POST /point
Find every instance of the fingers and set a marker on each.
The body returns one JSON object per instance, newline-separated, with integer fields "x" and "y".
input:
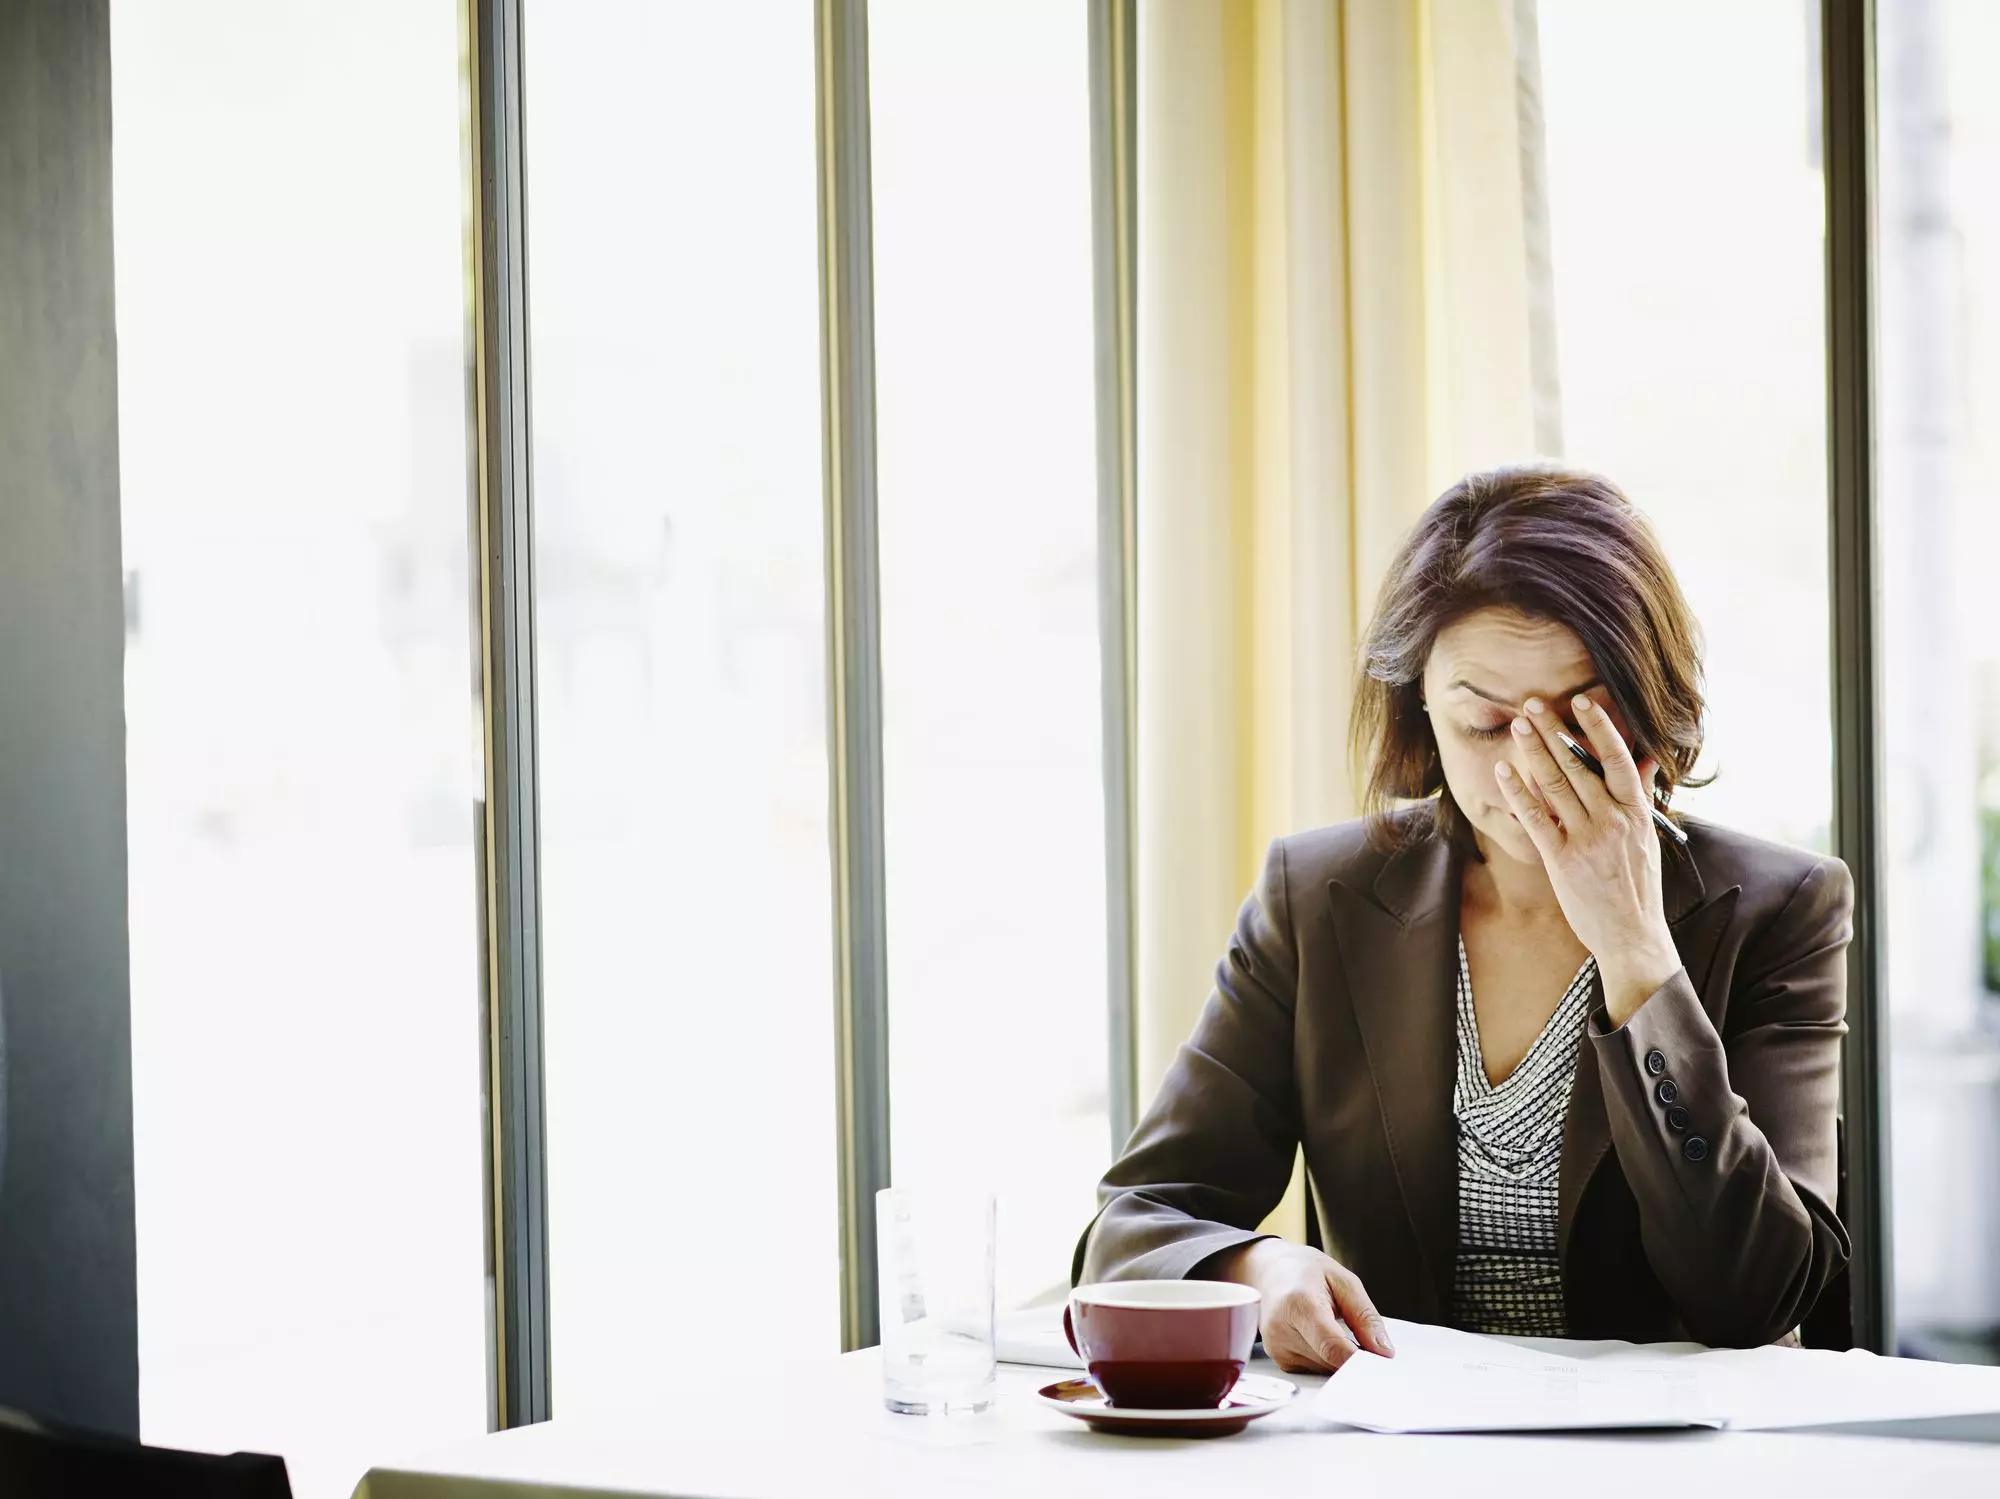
{"x": 1336, "y": 1350}
{"x": 1565, "y": 781}
{"x": 1527, "y": 806}
{"x": 1320, "y": 1352}
{"x": 1620, "y": 774}
{"x": 1358, "y": 1312}
{"x": 1321, "y": 1323}
{"x": 1304, "y": 1336}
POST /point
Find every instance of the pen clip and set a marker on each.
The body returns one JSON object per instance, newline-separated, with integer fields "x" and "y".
{"x": 1590, "y": 762}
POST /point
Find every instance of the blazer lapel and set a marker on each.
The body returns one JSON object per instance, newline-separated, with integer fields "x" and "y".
{"x": 1697, "y": 922}
{"x": 1399, "y": 947}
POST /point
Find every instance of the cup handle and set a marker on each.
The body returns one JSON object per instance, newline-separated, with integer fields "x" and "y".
{"x": 1069, "y": 1331}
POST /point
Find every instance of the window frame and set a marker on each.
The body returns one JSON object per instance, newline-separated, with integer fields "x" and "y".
{"x": 502, "y": 525}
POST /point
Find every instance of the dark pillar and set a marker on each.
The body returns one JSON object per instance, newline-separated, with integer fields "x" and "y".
{"x": 68, "y": 1300}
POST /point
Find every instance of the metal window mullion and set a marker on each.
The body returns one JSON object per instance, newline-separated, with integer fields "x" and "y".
{"x": 854, "y": 654}
{"x": 1847, "y": 104}
{"x": 1114, "y": 215}
{"x": 518, "y": 1204}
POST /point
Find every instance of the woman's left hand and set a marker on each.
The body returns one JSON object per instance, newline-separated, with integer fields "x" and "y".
{"x": 1598, "y": 844}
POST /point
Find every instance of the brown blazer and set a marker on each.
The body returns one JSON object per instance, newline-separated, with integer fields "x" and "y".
{"x": 1332, "y": 1025}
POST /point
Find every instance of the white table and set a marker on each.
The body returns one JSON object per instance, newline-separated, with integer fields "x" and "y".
{"x": 755, "y": 1433}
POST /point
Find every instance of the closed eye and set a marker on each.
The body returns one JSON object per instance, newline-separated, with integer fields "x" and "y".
{"x": 1493, "y": 733}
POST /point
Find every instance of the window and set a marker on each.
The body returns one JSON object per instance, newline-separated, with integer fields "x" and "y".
{"x": 1686, "y": 216}
{"x": 302, "y": 761}
{"x": 1938, "y": 397}
{"x": 673, "y": 288}
{"x": 992, "y": 717}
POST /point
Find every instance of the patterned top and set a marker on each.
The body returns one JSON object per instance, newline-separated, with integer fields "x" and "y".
{"x": 1510, "y": 1137}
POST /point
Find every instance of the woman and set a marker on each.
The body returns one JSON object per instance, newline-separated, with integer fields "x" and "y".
{"x": 1552, "y": 1072}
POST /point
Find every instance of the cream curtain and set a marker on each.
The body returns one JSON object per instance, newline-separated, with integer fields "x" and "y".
{"x": 1342, "y": 306}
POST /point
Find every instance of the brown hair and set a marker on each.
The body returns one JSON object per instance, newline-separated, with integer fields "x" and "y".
{"x": 1556, "y": 544}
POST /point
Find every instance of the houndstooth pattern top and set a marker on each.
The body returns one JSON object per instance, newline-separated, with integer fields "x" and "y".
{"x": 1510, "y": 1135}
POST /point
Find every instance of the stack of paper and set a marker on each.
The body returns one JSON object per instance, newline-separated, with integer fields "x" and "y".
{"x": 1441, "y": 1380}
{"x": 1034, "y": 1335}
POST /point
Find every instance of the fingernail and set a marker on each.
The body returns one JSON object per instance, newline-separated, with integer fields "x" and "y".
{"x": 1583, "y": 705}
{"x": 1504, "y": 771}
{"x": 1523, "y": 727}
{"x": 1533, "y": 705}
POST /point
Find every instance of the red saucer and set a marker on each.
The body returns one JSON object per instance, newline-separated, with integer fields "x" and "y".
{"x": 1255, "y": 1395}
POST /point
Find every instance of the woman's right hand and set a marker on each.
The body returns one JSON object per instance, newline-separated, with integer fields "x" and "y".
{"x": 1314, "y": 1309}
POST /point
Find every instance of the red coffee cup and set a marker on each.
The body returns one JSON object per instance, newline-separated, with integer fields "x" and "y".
{"x": 1163, "y": 1344}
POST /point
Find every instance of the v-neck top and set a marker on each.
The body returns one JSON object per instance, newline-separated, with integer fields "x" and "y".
{"x": 1510, "y": 1135}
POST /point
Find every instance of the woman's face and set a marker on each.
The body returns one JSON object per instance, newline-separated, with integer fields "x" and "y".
{"x": 1481, "y": 670}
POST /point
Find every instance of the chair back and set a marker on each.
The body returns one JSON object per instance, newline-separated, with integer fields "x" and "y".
{"x": 40, "y": 1461}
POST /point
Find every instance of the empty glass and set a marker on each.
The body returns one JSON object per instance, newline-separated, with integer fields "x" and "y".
{"x": 934, "y": 1258}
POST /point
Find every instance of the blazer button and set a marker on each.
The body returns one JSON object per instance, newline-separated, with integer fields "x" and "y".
{"x": 1656, "y": 1061}
{"x": 1677, "y": 1119}
{"x": 1666, "y": 1092}
{"x": 1695, "y": 1148}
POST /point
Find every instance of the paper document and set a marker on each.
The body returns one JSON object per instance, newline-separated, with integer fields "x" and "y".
{"x": 1776, "y": 1388}
{"x": 1034, "y": 1335}
{"x": 1442, "y": 1380}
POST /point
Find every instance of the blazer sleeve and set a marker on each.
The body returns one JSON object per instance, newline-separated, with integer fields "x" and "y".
{"x": 1729, "y": 1146}
{"x": 1214, "y": 1153}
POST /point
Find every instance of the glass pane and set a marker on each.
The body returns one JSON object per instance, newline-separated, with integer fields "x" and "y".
{"x": 1687, "y": 223}
{"x": 992, "y": 717}
{"x": 300, "y": 695}
{"x": 680, "y": 618}
{"x": 1938, "y": 393}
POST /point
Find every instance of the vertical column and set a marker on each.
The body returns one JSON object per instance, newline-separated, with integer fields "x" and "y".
{"x": 1847, "y": 29}
{"x": 68, "y": 1297}
{"x": 1114, "y": 211}
{"x": 854, "y": 645}
{"x": 505, "y": 561}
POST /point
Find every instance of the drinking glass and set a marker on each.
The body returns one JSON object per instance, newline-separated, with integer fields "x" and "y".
{"x": 934, "y": 1256}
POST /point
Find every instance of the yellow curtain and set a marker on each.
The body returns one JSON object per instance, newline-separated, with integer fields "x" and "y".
{"x": 1340, "y": 240}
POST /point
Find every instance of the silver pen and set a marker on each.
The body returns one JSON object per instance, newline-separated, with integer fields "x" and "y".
{"x": 1591, "y": 763}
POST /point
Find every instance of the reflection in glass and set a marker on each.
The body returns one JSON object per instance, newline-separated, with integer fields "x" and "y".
{"x": 300, "y": 699}
{"x": 1687, "y": 221}
{"x": 1938, "y": 394}
{"x": 679, "y": 597}
{"x": 992, "y": 715}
